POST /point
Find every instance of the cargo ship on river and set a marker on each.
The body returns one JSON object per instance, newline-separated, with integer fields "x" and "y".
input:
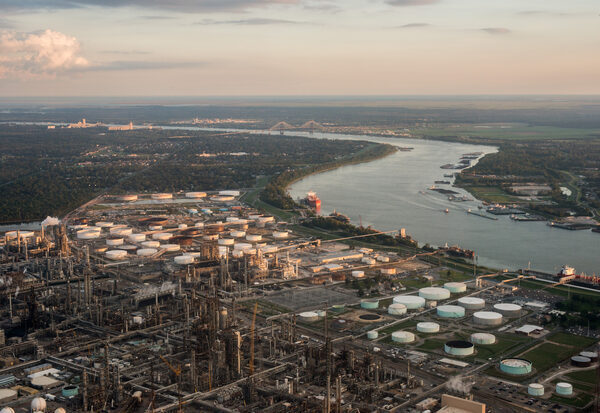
{"x": 312, "y": 201}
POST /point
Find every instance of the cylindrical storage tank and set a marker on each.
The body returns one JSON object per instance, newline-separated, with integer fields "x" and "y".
{"x": 87, "y": 235}
{"x": 487, "y": 318}
{"x": 280, "y": 234}
{"x": 8, "y": 394}
{"x": 308, "y": 316}
{"x": 535, "y": 389}
{"x": 369, "y": 303}
{"x": 104, "y": 224}
{"x": 150, "y": 244}
{"x": 137, "y": 237}
{"x": 116, "y": 254}
{"x": 121, "y": 231}
{"x": 269, "y": 249}
{"x": 127, "y": 247}
{"x": 128, "y": 198}
{"x": 70, "y": 391}
{"x": 146, "y": 252}
{"x": 182, "y": 226}
{"x": 367, "y": 260}
{"x": 450, "y": 311}
{"x": 434, "y": 293}
{"x": 580, "y": 361}
{"x": 210, "y": 237}
{"x": 253, "y": 237}
{"x": 199, "y": 225}
{"x": 508, "y": 309}
{"x": 455, "y": 287}
{"x": 411, "y": 302}
{"x": 242, "y": 246}
{"x": 265, "y": 220}
{"x": 112, "y": 242}
{"x": 592, "y": 355}
{"x": 388, "y": 271}
{"x": 194, "y": 254}
{"x": 459, "y": 348}
{"x": 161, "y": 196}
{"x": 483, "y": 339}
{"x": 60, "y": 410}
{"x": 195, "y": 194}
{"x": 162, "y": 236}
{"x": 237, "y": 234}
{"x": 397, "y": 309}
{"x": 237, "y": 253}
{"x": 223, "y": 250}
{"x": 427, "y": 327}
{"x": 184, "y": 259}
{"x": 232, "y": 219}
{"x": 358, "y": 274}
{"x": 383, "y": 258}
{"x": 226, "y": 241}
{"x": 515, "y": 366}
{"x": 372, "y": 335}
{"x": 171, "y": 247}
{"x": 471, "y": 303}
{"x": 403, "y": 337}
{"x": 321, "y": 313}
{"x": 38, "y": 405}
{"x": 564, "y": 389}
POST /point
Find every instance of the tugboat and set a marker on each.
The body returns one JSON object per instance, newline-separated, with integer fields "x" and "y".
{"x": 446, "y": 210}
{"x": 340, "y": 217}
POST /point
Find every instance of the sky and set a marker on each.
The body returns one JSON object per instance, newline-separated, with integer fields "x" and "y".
{"x": 298, "y": 47}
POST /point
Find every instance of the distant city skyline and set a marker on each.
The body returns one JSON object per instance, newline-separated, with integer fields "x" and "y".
{"x": 298, "y": 47}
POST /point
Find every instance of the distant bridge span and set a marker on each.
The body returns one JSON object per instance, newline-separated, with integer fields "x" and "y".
{"x": 282, "y": 126}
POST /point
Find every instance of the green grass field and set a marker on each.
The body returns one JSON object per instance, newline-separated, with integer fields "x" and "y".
{"x": 548, "y": 355}
{"x": 580, "y": 400}
{"x": 493, "y": 194}
{"x": 571, "y": 340}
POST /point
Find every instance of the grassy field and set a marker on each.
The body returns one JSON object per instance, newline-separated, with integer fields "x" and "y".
{"x": 493, "y": 194}
{"x": 580, "y": 400}
{"x": 401, "y": 326}
{"x": 506, "y": 131}
{"x": 548, "y": 355}
{"x": 562, "y": 291}
{"x": 571, "y": 340}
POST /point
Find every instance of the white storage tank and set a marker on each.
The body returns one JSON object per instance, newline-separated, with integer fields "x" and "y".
{"x": 508, "y": 309}
{"x": 308, "y": 316}
{"x": 564, "y": 389}
{"x": 184, "y": 259}
{"x": 155, "y": 227}
{"x": 116, "y": 254}
{"x": 146, "y": 252}
{"x": 150, "y": 244}
{"x": 121, "y": 231}
{"x": 253, "y": 237}
{"x": 237, "y": 234}
{"x": 411, "y": 302}
{"x": 128, "y": 198}
{"x": 368, "y": 260}
{"x": 535, "y": 389}
{"x": 127, "y": 247}
{"x": 358, "y": 274}
{"x": 195, "y": 194}
{"x": 428, "y": 327}
{"x": 104, "y": 224}
{"x": 242, "y": 246}
{"x": 280, "y": 234}
{"x": 162, "y": 236}
{"x": 182, "y": 226}
{"x": 112, "y": 242}
{"x": 471, "y": 303}
{"x": 487, "y": 318}
{"x": 372, "y": 335}
{"x": 210, "y": 237}
{"x": 229, "y": 193}
{"x": 87, "y": 235}
{"x": 459, "y": 348}
{"x": 226, "y": 241}
{"x": 403, "y": 337}
{"x": 483, "y": 339}
{"x": 397, "y": 309}
{"x": 161, "y": 196}
{"x": 388, "y": 271}
{"x": 38, "y": 405}
{"x": 450, "y": 311}
{"x": 171, "y": 247}
{"x": 383, "y": 258}
{"x": 137, "y": 237}
{"x": 434, "y": 293}
{"x": 456, "y": 287}
{"x": 265, "y": 220}
{"x": 199, "y": 225}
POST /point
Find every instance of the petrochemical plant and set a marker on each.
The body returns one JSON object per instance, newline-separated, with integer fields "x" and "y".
{"x": 197, "y": 302}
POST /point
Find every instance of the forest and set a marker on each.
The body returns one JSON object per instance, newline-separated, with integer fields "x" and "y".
{"x": 52, "y": 171}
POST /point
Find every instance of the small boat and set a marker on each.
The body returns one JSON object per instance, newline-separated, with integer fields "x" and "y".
{"x": 446, "y": 210}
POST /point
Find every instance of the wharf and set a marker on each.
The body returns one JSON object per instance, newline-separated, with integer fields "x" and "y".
{"x": 482, "y": 215}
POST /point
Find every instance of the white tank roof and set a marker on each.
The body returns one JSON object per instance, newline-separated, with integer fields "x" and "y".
{"x": 471, "y": 301}
{"x": 487, "y": 315}
{"x": 507, "y": 307}
{"x": 410, "y": 301}
{"x": 38, "y": 404}
{"x": 145, "y": 252}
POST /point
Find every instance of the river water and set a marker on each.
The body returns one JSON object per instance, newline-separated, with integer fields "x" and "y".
{"x": 392, "y": 193}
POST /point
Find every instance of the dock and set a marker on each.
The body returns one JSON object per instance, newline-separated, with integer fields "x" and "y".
{"x": 482, "y": 215}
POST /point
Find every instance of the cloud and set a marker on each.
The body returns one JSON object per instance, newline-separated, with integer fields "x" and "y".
{"x": 546, "y": 13}
{"x": 192, "y": 6}
{"x": 42, "y": 53}
{"x": 249, "y": 22}
{"x": 413, "y": 25}
{"x": 496, "y": 30}
{"x": 125, "y": 52}
{"x": 412, "y": 2}
{"x": 157, "y": 17}
{"x": 5, "y": 23}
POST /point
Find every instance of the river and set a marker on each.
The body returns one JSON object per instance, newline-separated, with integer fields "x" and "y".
{"x": 391, "y": 193}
